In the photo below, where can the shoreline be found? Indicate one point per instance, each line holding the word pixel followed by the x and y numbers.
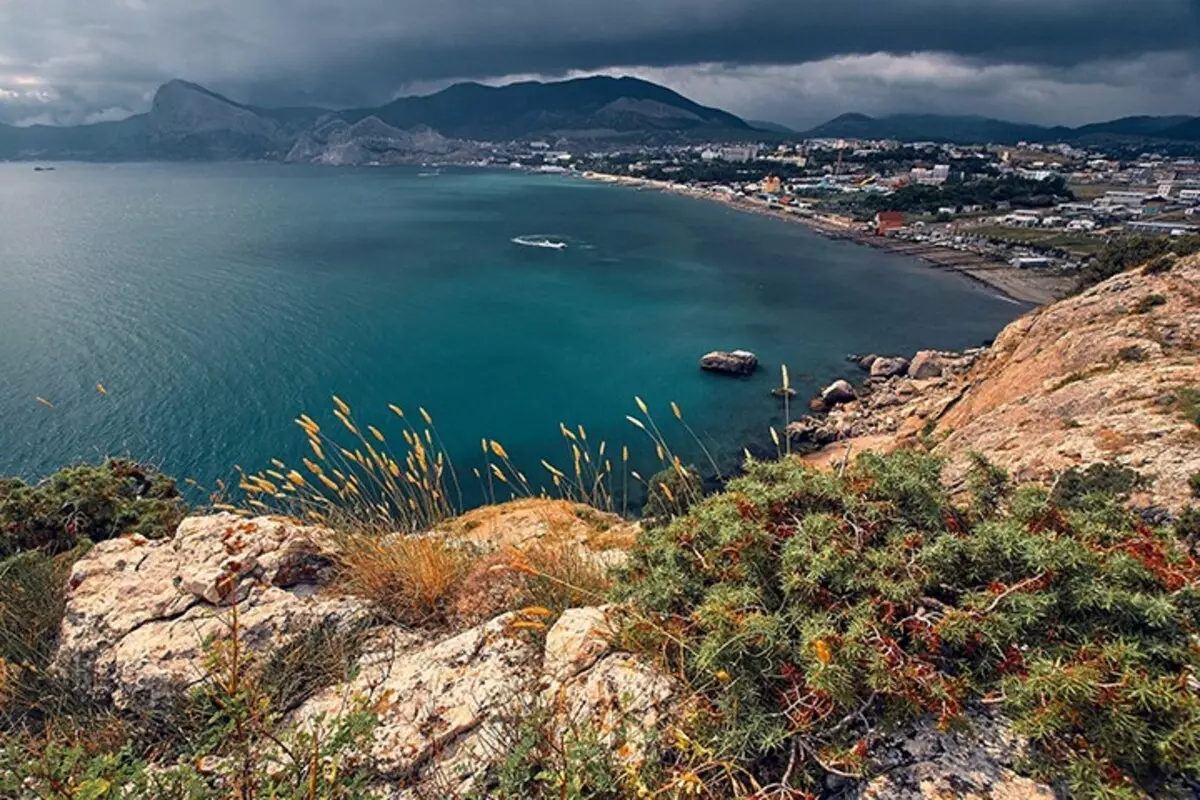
pixel 1013 284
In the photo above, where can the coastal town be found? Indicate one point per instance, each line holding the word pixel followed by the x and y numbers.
pixel 1024 219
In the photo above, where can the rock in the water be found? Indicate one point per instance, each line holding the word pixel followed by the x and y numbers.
pixel 139 612
pixel 889 367
pixel 925 365
pixel 738 362
pixel 866 362
pixel 838 393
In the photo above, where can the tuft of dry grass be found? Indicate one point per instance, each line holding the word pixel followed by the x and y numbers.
pixel 432 581
pixel 412 579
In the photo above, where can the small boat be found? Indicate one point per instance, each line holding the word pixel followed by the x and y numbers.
pixel 43 169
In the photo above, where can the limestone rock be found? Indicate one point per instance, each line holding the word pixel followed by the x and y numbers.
pixel 888 367
pixel 738 362
pixel 448 708
pixel 925 365
pixel 139 612
pixel 926 764
pixel 440 703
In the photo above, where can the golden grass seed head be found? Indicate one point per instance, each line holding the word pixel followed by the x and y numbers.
pixel 342 407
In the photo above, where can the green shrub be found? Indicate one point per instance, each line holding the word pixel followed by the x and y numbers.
pixel 1097 484
pixel 87 502
pixel 1160 265
pixel 1148 303
pixel 536 760
pixel 671 492
pixel 1188 402
pixel 1194 484
pixel 813 613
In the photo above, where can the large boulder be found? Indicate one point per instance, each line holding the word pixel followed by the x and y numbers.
pixel 738 362
pixel 838 393
pixel 889 367
pixel 139 612
pixel 926 365
pixel 812 430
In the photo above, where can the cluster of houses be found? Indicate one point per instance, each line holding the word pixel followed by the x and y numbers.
pixel 1160 211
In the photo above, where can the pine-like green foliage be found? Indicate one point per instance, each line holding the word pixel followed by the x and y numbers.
pixel 92 502
pixel 812 612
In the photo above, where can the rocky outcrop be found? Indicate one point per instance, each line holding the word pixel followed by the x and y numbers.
pixel 1100 377
pixel 838 393
pixel 737 362
pixel 139 612
pixel 925 365
pixel 451 707
pixel 336 142
pixel 888 367
pixel 923 763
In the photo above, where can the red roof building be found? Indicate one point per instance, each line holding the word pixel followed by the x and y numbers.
pixel 888 221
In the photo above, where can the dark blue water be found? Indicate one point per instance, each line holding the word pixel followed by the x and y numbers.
pixel 216 302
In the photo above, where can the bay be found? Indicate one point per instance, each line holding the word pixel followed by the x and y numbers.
pixel 215 302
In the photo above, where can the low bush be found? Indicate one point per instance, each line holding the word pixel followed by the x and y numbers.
pixel 87 502
pixel 812 614
pixel 410 579
pixel 1187 401
pixel 1148 304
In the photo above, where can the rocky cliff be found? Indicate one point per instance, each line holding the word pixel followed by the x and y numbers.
pixel 1106 376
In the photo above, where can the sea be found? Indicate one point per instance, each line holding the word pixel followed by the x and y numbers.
pixel 216 302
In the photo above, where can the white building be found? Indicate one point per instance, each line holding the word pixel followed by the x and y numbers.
pixel 739 155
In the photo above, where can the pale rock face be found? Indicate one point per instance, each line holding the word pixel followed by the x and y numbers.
pixel 139 612
pixel 440 702
pixel 1093 378
pixel 182 109
pixel 448 707
pixel 590 686
pixel 926 764
pixel 925 365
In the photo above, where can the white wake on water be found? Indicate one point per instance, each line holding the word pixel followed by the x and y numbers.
pixel 539 241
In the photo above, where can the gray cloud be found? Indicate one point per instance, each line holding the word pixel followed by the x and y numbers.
pixel 66 61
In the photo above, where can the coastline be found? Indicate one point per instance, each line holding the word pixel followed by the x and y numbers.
pixel 1013 284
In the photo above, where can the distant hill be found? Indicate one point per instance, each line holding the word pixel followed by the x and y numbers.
pixel 187 121
pixel 585 107
pixel 771 127
pixel 983 130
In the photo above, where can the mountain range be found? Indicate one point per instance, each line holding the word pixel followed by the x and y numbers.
pixel 190 122
pixel 982 130
pixel 187 121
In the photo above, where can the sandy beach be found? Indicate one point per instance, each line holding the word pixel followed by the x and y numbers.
pixel 1023 286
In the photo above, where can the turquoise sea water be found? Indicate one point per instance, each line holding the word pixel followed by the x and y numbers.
pixel 215 302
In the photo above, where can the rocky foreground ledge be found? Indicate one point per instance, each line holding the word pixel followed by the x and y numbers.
pixel 139 614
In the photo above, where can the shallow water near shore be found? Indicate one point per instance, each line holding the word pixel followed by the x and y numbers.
pixel 216 302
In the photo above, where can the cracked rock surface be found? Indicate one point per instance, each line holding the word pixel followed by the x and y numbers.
pixel 139 611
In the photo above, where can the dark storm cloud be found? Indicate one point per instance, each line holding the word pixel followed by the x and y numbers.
pixel 66 58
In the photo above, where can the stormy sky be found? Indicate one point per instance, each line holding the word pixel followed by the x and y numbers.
pixel 798 62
